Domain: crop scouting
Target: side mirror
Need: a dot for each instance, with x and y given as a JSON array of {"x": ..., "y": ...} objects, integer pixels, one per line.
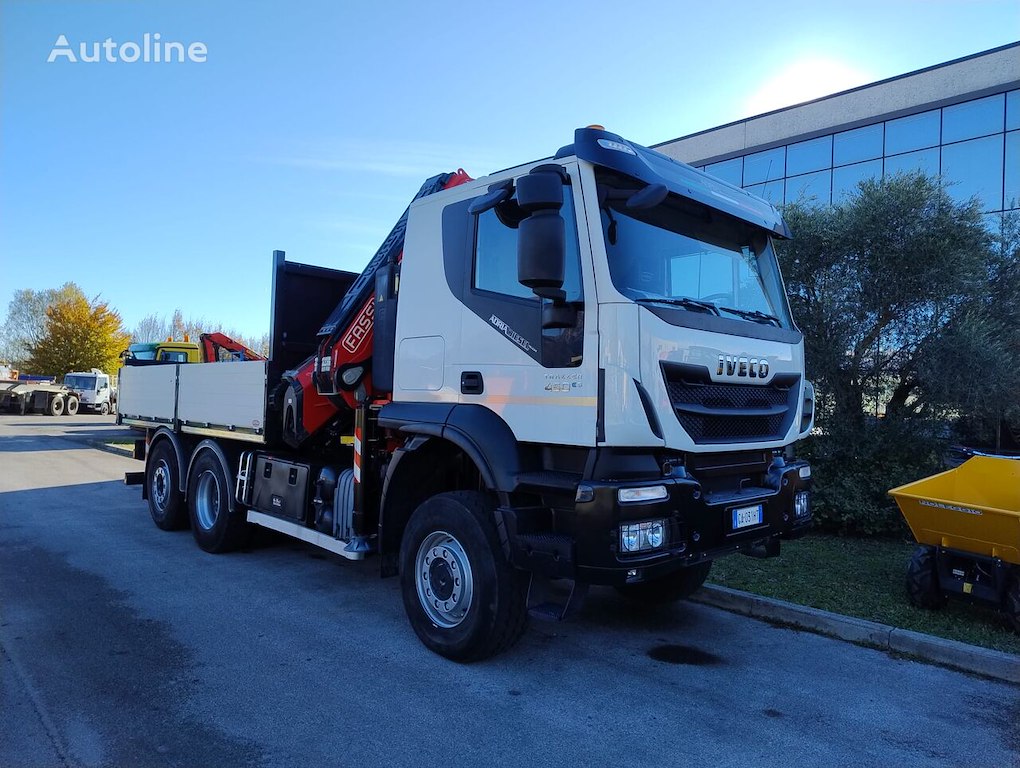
[
  {"x": 541, "y": 243},
  {"x": 649, "y": 197}
]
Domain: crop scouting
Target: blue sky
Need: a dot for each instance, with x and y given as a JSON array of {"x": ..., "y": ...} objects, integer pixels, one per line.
[{"x": 311, "y": 124}]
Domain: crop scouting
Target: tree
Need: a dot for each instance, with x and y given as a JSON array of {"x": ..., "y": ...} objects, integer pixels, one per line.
[
  {"x": 157, "y": 327},
  {"x": 26, "y": 320},
  {"x": 151, "y": 328},
  {"x": 891, "y": 289},
  {"x": 79, "y": 335}
]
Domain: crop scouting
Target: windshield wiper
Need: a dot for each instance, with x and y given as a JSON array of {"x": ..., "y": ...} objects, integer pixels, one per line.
[
  {"x": 682, "y": 301},
  {"x": 754, "y": 314}
]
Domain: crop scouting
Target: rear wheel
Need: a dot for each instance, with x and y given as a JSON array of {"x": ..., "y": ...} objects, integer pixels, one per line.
[
  {"x": 678, "y": 585},
  {"x": 71, "y": 406},
  {"x": 215, "y": 527},
  {"x": 923, "y": 579},
  {"x": 162, "y": 483},
  {"x": 464, "y": 599},
  {"x": 56, "y": 406}
]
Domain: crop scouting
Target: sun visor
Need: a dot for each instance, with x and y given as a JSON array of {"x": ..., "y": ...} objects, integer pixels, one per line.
[{"x": 612, "y": 151}]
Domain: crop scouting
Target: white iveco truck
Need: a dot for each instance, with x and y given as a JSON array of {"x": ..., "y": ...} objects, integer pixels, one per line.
[{"x": 582, "y": 368}]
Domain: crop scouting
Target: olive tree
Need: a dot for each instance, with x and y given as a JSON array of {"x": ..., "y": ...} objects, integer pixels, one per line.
[{"x": 893, "y": 289}]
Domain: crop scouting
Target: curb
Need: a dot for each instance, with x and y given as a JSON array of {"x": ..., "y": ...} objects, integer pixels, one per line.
[
  {"x": 937, "y": 650},
  {"x": 101, "y": 446}
]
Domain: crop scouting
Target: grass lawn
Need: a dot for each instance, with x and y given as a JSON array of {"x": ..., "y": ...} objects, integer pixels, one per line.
[{"x": 862, "y": 578}]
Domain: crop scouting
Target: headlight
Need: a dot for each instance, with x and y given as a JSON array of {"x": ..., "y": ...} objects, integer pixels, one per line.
[
  {"x": 636, "y": 537},
  {"x": 802, "y": 505},
  {"x": 644, "y": 494}
]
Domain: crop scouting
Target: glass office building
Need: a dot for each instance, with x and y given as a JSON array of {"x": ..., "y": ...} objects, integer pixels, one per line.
[{"x": 960, "y": 119}]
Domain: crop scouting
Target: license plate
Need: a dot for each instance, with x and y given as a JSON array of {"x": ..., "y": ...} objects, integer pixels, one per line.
[{"x": 744, "y": 517}]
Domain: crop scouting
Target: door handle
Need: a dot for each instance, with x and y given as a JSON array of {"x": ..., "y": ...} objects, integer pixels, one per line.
[{"x": 471, "y": 383}]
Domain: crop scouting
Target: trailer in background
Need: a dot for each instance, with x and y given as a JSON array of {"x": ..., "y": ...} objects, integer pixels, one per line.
[{"x": 47, "y": 397}]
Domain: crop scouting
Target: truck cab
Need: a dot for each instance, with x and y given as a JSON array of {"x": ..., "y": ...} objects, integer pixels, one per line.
[
  {"x": 94, "y": 390},
  {"x": 164, "y": 351},
  {"x": 618, "y": 322}
]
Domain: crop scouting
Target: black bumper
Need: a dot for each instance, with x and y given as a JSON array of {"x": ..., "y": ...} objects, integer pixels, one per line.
[{"x": 700, "y": 524}]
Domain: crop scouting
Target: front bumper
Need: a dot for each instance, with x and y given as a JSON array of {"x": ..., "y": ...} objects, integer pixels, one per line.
[{"x": 700, "y": 525}]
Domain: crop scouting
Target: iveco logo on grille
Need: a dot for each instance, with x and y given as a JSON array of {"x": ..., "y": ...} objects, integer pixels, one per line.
[{"x": 742, "y": 367}]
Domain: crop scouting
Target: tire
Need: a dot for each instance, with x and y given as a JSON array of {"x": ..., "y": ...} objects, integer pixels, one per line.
[
  {"x": 104, "y": 409},
  {"x": 1011, "y": 603},
  {"x": 71, "y": 406},
  {"x": 56, "y": 406},
  {"x": 451, "y": 549},
  {"x": 671, "y": 588},
  {"x": 214, "y": 527},
  {"x": 163, "y": 488},
  {"x": 923, "y": 579}
]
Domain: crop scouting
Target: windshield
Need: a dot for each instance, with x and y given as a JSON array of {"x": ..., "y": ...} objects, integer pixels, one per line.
[
  {"x": 142, "y": 351},
  {"x": 685, "y": 254},
  {"x": 80, "y": 382}
]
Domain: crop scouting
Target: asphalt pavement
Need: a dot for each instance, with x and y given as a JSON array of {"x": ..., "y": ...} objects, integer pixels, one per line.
[{"x": 124, "y": 645}]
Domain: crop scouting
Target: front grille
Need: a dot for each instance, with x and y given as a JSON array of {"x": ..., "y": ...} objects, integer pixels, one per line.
[{"x": 713, "y": 412}]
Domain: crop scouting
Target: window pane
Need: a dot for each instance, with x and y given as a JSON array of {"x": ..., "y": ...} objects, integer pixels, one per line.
[
  {"x": 975, "y": 167},
  {"x": 496, "y": 256},
  {"x": 805, "y": 156},
  {"x": 772, "y": 191},
  {"x": 913, "y": 132},
  {"x": 1012, "y": 110},
  {"x": 765, "y": 166},
  {"x": 927, "y": 160},
  {"x": 857, "y": 145},
  {"x": 1012, "y": 170},
  {"x": 846, "y": 179},
  {"x": 495, "y": 267},
  {"x": 972, "y": 118},
  {"x": 727, "y": 170},
  {"x": 811, "y": 188}
]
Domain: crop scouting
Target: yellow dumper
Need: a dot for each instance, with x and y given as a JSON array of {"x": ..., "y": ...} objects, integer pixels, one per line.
[{"x": 967, "y": 525}]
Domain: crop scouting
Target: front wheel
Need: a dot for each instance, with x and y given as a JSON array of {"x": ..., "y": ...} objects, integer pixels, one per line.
[
  {"x": 215, "y": 527},
  {"x": 71, "y": 406},
  {"x": 464, "y": 599},
  {"x": 104, "y": 409},
  {"x": 923, "y": 579},
  {"x": 671, "y": 588}
]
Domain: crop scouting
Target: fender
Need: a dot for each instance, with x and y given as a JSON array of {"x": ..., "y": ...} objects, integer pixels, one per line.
[
  {"x": 483, "y": 436},
  {"x": 212, "y": 445}
]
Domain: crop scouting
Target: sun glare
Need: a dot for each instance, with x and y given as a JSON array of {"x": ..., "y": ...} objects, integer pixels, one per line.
[{"x": 802, "y": 81}]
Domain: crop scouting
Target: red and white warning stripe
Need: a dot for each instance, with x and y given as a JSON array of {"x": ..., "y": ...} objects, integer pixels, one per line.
[{"x": 357, "y": 454}]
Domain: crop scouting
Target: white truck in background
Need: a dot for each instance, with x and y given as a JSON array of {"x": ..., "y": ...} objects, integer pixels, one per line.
[
  {"x": 582, "y": 369},
  {"x": 94, "y": 389}
]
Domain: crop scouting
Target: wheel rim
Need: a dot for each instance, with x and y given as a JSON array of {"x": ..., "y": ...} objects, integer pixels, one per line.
[
  {"x": 160, "y": 486},
  {"x": 443, "y": 578},
  {"x": 207, "y": 500}
]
